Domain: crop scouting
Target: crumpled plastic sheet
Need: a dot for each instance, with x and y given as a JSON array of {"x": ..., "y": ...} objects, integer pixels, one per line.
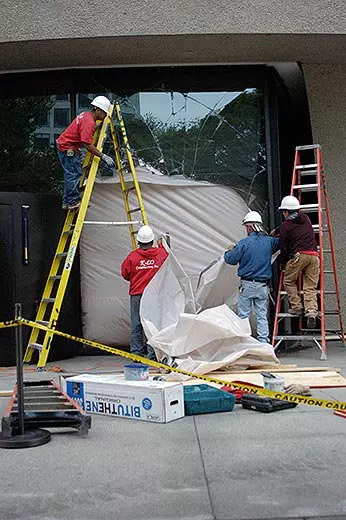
[{"x": 200, "y": 331}]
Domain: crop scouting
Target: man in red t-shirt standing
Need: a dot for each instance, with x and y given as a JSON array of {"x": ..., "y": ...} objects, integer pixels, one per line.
[
  {"x": 139, "y": 267},
  {"x": 80, "y": 133}
]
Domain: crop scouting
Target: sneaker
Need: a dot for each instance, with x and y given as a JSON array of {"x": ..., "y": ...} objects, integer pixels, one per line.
[
  {"x": 311, "y": 322},
  {"x": 74, "y": 207},
  {"x": 293, "y": 312},
  {"x": 64, "y": 207}
]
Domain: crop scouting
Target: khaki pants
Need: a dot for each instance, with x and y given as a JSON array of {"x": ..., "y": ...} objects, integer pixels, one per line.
[{"x": 309, "y": 266}]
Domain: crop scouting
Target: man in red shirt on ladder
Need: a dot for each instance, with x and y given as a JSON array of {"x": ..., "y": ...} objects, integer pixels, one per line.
[
  {"x": 80, "y": 133},
  {"x": 138, "y": 268},
  {"x": 299, "y": 254}
]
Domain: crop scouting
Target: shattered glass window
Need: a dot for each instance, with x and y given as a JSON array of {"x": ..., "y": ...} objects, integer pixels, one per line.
[{"x": 213, "y": 136}]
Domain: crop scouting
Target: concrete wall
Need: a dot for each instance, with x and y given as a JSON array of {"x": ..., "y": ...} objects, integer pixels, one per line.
[
  {"x": 327, "y": 100},
  {"x": 49, "y": 34}
]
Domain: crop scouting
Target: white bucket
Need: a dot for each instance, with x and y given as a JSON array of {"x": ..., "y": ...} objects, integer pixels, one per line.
[{"x": 276, "y": 384}]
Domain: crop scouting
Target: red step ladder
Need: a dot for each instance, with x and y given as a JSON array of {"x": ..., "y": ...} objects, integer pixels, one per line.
[{"x": 308, "y": 185}]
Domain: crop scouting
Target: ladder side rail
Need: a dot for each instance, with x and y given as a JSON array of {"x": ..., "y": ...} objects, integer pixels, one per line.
[
  {"x": 321, "y": 255},
  {"x": 124, "y": 189},
  {"x": 331, "y": 241},
  {"x": 294, "y": 176},
  {"x": 277, "y": 309},
  {"x": 73, "y": 246},
  {"x": 131, "y": 163}
]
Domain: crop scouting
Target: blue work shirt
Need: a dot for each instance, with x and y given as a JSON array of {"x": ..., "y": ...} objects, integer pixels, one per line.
[{"x": 253, "y": 254}]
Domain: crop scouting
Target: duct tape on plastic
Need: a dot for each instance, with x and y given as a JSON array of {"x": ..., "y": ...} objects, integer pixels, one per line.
[{"x": 299, "y": 399}]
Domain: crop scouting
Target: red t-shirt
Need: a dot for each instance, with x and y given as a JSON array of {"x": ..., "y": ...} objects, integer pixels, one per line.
[
  {"x": 80, "y": 131},
  {"x": 140, "y": 266}
]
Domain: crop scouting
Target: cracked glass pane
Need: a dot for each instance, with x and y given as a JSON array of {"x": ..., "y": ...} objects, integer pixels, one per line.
[{"x": 212, "y": 136}]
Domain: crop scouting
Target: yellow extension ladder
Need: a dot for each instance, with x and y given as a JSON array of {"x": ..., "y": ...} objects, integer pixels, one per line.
[{"x": 55, "y": 288}]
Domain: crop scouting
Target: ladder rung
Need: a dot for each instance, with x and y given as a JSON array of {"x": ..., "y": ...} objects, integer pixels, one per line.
[
  {"x": 316, "y": 228},
  {"x": 43, "y": 322},
  {"x": 306, "y": 187},
  {"x": 309, "y": 207},
  {"x": 134, "y": 210},
  {"x": 327, "y": 250},
  {"x": 308, "y": 147},
  {"x": 328, "y": 271},
  {"x": 70, "y": 232},
  {"x": 56, "y": 277},
  {"x": 36, "y": 346},
  {"x": 306, "y": 173},
  {"x": 306, "y": 166},
  {"x": 62, "y": 255},
  {"x": 48, "y": 300}
]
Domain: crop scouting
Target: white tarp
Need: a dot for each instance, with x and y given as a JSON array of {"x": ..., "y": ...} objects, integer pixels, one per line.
[
  {"x": 201, "y": 342},
  {"x": 202, "y": 219}
]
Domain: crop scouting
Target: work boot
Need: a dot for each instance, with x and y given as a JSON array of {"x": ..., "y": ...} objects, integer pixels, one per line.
[
  {"x": 74, "y": 207},
  {"x": 310, "y": 321},
  {"x": 297, "y": 313}
]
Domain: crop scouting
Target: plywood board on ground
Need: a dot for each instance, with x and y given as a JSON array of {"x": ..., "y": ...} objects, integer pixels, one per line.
[
  {"x": 280, "y": 368},
  {"x": 325, "y": 379}
]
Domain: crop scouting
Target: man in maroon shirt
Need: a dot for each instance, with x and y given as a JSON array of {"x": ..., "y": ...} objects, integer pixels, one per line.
[
  {"x": 299, "y": 254},
  {"x": 78, "y": 134},
  {"x": 139, "y": 267}
]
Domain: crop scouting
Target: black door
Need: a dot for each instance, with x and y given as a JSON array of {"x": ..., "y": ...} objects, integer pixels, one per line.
[{"x": 7, "y": 270}]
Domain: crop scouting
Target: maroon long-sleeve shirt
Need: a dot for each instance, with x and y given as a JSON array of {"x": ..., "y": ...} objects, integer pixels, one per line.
[{"x": 296, "y": 235}]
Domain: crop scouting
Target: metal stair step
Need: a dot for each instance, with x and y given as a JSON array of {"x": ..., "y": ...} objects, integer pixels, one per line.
[
  {"x": 36, "y": 346},
  {"x": 310, "y": 337}
]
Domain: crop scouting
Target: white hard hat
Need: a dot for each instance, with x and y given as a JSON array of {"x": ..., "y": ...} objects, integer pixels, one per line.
[
  {"x": 253, "y": 217},
  {"x": 101, "y": 102},
  {"x": 289, "y": 203},
  {"x": 145, "y": 235}
]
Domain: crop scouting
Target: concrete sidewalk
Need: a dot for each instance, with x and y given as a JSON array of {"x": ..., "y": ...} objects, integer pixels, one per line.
[{"x": 237, "y": 465}]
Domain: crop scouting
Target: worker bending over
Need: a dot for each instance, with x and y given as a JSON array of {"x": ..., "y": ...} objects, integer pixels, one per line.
[
  {"x": 253, "y": 254},
  {"x": 299, "y": 254},
  {"x": 78, "y": 134},
  {"x": 139, "y": 267}
]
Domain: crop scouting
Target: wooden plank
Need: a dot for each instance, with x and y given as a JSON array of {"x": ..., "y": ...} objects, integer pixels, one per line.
[
  {"x": 6, "y": 393},
  {"x": 279, "y": 368},
  {"x": 325, "y": 379}
]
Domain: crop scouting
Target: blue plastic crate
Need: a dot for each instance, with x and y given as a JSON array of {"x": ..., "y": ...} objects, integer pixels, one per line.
[{"x": 207, "y": 399}]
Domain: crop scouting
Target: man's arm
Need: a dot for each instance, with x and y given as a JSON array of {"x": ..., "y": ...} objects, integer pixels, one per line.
[
  {"x": 126, "y": 269},
  {"x": 233, "y": 256},
  {"x": 92, "y": 149},
  {"x": 284, "y": 242}
]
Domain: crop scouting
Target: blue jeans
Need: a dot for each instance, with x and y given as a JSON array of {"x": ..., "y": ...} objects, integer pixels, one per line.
[
  {"x": 138, "y": 343},
  {"x": 72, "y": 167},
  {"x": 255, "y": 295}
]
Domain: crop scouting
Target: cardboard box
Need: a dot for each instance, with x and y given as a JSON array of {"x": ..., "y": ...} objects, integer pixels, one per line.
[{"x": 155, "y": 401}]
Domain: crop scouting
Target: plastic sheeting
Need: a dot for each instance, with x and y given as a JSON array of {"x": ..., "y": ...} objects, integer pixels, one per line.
[
  {"x": 200, "y": 342},
  {"x": 202, "y": 219}
]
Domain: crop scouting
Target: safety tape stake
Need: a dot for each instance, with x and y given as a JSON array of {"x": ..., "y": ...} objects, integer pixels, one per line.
[{"x": 299, "y": 399}]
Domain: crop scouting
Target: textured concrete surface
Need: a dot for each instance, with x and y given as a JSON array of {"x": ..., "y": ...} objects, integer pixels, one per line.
[
  {"x": 327, "y": 100},
  {"x": 38, "y": 35},
  {"x": 34, "y": 19},
  {"x": 238, "y": 465}
]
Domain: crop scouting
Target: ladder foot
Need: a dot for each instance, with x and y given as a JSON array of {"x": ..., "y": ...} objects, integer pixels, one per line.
[
  {"x": 40, "y": 369},
  {"x": 323, "y": 356}
]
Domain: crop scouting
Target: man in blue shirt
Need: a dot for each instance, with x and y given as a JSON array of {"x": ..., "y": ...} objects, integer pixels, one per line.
[{"x": 253, "y": 254}]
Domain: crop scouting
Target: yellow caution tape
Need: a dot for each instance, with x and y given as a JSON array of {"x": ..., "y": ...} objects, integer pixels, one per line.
[
  {"x": 299, "y": 399},
  {"x": 9, "y": 323}
]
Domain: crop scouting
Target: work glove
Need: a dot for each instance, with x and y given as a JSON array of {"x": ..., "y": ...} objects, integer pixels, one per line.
[
  {"x": 108, "y": 160},
  {"x": 297, "y": 388}
]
